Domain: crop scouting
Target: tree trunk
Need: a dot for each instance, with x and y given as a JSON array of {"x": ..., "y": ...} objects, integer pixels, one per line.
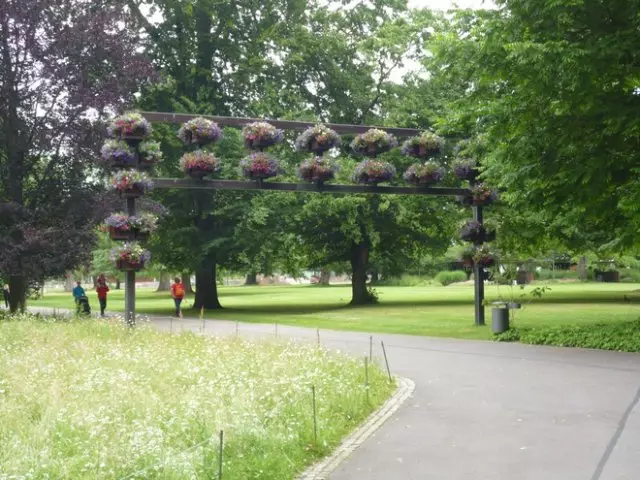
[
  {"x": 17, "y": 293},
  {"x": 206, "y": 289},
  {"x": 325, "y": 276},
  {"x": 117, "y": 283},
  {"x": 252, "y": 279},
  {"x": 164, "y": 285},
  {"x": 186, "y": 282},
  {"x": 359, "y": 260},
  {"x": 68, "y": 283}
]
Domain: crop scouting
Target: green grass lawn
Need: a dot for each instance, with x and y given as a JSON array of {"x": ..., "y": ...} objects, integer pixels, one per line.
[
  {"x": 435, "y": 311},
  {"x": 96, "y": 400}
]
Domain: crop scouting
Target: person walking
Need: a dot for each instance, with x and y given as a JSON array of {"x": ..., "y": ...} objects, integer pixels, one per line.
[
  {"x": 177, "y": 292},
  {"x": 78, "y": 293},
  {"x": 5, "y": 294},
  {"x": 102, "y": 289}
]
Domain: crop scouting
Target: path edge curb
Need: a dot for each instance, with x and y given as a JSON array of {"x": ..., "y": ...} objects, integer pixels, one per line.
[{"x": 322, "y": 469}]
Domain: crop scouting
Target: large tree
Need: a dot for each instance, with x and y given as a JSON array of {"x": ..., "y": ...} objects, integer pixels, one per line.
[
  {"x": 552, "y": 89},
  {"x": 61, "y": 64}
]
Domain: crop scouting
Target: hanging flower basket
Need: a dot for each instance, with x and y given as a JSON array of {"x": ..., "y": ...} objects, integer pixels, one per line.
[
  {"x": 484, "y": 257},
  {"x": 150, "y": 153},
  {"x": 480, "y": 195},
  {"x": 136, "y": 227},
  {"x": 318, "y": 169},
  {"x": 130, "y": 127},
  {"x": 118, "y": 154},
  {"x": 259, "y": 165},
  {"x": 423, "y": 146},
  {"x": 317, "y": 140},
  {"x": 373, "y": 142},
  {"x": 130, "y": 257},
  {"x": 260, "y": 135},
  {"x": 465, "y": 169},
  {"x": 199, "y": 164},
  {"x": 428, "y": 173},
  {"x": 467, "y": 257},
  {"x": 131, "y": 183},
  {"x": 199, "y": 131},
  {"x": 372, "y": 172},
  {"x": 473, "y": 232}
]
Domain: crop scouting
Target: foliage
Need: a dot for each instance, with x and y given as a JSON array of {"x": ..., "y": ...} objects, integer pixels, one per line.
[
  {"x": 259, "y": 135},
  {"x": 199, "y": 131},
  {"x": 552, "y": 89},
  {"x": 199, "y": 163},
  {"x": 630, "y": 275},
  {"x": 317, "y": 139},
  {"x": 373, "y": 172},
  {"x": 63, "y": 64},
  {"x": 426, "y": 173},
  {"x": 154, "y": 403},
  {"x": 622, "y": 337},
  {"x": 447, "y": 277},
  {"x": 373, "y": 142},
  {"x": 131, "y": 181},
  {"x": 318, "y": 169},
  {"x": 425, "y": 145},
  {"x": 259, "y": 165}
]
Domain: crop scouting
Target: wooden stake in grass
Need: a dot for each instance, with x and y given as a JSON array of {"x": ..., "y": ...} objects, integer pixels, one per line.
[
  {"x": 366, "y": 377},
  {"x": 220, "y": 455},
  {"x": 318, "y": 335},
  {"x": 386, "y": 361},
  {"x": 236, "y": 328},
  {"x": 370, "y": 347},
  {"x": 171, "y": 324},
  {"x": 315, "y": 418},
  {"x": 202, "y": 318}
]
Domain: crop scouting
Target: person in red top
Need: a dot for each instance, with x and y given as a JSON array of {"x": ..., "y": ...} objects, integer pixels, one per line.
[
  {"x": 102, "y": 288},
  {"x": 177, "y": 292}
]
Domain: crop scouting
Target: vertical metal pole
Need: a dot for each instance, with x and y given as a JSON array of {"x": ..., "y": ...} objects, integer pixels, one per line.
[
  {"x": 478, "y": 278},
  {"x": 220, "y": 454},
  {"x": 130, "y": 280},
  {"x": 386, "y": 361},
  {"x": 315, "y": 419}
]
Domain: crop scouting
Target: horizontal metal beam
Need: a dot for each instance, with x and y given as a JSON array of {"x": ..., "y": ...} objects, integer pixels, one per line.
[
  {"x": 168, "y": 117},
  {"x": 301, "y": 187}
]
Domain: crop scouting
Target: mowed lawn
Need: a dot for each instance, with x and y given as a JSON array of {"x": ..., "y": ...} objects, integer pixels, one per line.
[{"x": 434, "y": 310}]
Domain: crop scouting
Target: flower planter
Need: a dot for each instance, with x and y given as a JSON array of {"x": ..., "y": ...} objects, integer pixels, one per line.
[
  {"x": 116, "y": 234},
  {"x": 373, "y": 142},
  {"x": 607, "y": 276},
  {"x": 425, "y": 145},
  {"x": 125, "y": 266},
  {"x": 198, "y": 174}
]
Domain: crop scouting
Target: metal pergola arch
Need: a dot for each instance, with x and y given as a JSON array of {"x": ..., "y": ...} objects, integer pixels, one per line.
[{"x": 178, "y": 118}]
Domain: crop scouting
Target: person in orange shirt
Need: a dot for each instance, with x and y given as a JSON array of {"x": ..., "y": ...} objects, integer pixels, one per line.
[
  {"x": 102, "y": 289},
  {"x": 177, "y": 292}
]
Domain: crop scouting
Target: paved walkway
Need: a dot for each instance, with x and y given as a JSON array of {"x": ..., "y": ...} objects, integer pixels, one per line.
[{"x": 486, "y": 411}]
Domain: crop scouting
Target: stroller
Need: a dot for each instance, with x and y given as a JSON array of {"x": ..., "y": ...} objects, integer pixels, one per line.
[{"x": 83, "y": 306}]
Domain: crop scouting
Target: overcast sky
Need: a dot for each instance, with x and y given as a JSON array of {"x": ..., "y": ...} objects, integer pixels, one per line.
[{"x": 449, "y": 4}]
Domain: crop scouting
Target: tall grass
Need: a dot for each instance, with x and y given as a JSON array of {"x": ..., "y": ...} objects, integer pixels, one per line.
[{"x": 96, "y": 400}]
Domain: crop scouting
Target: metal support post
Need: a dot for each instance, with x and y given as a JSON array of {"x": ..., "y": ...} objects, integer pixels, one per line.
[
  {"x": 130, "y": 281},
  {"x": 478, "y": 278}
]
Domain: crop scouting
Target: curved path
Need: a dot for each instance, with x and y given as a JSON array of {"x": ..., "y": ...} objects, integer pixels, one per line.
[{"x": 485, "y": 411}]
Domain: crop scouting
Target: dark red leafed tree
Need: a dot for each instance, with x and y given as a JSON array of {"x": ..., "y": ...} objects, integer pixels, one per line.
[{"x": 64, "y": 64}]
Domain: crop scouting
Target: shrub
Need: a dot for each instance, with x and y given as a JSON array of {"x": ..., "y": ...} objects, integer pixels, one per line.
[
  {"x": 546, "y": 274},
  {"x": 407, "y": 281},
  {"x": 630, "y": 275},
  {"x": 621, "y": 337},
  {"x": 449, "y": 277}
]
